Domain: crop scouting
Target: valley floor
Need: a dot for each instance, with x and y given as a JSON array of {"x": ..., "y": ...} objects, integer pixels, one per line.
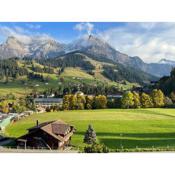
[{"x": 119, "y": 129}]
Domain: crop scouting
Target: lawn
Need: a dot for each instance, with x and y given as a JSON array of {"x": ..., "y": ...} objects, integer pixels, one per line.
[
  {"x": 116, "y": 128},
  {"x": 76, "y": 72}
]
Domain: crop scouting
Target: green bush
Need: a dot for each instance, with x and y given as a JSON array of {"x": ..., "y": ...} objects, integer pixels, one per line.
[{"x": 96, "y": 148}]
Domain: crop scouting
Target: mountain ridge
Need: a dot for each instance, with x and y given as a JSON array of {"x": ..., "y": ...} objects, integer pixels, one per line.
[
  {"x": 96, "y": 47},
  {"x": 36, "y": 47}
]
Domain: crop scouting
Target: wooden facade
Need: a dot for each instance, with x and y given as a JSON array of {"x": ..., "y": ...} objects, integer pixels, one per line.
[{"x": 50, "y": 135}]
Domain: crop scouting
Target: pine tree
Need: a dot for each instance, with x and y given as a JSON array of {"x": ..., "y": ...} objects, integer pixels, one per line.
[{"x": 90, "y": 136}]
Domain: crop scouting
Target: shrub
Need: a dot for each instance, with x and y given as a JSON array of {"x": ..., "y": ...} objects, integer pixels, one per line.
[
  {"x": 4, "y": 107},
  {"x": 19, "y": 108},
  {"x": 48, "y": 109},
  {"x": 96, "y": 148}
]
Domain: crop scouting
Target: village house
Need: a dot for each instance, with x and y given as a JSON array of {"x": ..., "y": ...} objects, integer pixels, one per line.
[
  {"x": 48, "y": 135},
  {"x": 114, "y": 96},
  {"x": 47, "y": 102}
]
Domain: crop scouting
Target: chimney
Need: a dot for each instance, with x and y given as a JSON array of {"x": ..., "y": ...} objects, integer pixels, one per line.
[{"x": 37, "y": 123}]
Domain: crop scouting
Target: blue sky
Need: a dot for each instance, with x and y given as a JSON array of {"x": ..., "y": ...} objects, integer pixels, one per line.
[
  {"x": 151, "y": 41},
  {"x": 62, "y": 31}
]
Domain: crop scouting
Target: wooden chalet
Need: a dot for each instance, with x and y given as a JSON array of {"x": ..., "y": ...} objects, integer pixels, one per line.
[{"x": 48, "y": 135}]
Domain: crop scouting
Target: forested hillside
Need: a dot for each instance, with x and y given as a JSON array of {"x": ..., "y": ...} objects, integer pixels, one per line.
[
  {"x": 119, "y": 73},
  {"x": 70, "y": 71},
  {"x": 69, "y": 60},
  {"x": 167, "y": 83},
  {"x": 10, "y": 68}
]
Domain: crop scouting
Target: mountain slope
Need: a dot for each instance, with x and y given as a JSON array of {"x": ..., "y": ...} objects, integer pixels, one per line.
[
  {"x": 79, "y": 59},
  {"x": 22, "y": 76},
  {"x": 35, "y": 48},
  {"x": 101, "y": 50},
  {"x": 167, "y": 83},
  {"x": 92, "y": 46},
  {"x": 98, "y": 48},
  {"x": 45, "y": 49},
  {"x": 12, "y": 48},
  {"x": 156, "y": 69}
]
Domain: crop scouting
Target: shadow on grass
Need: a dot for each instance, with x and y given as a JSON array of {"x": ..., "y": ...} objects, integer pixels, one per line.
[
  {"x": 152, "y": 112},
  {"x": 113, "y": 143},
  {"x": 138, "y": 135},
  {"x": 133, "y": 140}
]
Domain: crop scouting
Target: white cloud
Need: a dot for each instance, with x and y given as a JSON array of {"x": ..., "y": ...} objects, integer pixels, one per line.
[
  {"x": 150, "y": 41},
  {"x": 17, "y": 32},
  {"x": 87, "y": 27},
  {"x": 25, "y": 36}
]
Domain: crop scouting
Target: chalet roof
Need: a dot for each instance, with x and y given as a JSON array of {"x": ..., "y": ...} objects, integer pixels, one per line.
[
  {"x": 40, "y": 125},
  {"x": 58, "y": 129}
]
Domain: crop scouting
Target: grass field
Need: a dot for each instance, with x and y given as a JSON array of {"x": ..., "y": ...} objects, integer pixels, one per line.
[
  {"x": 76, "y": 72},
  {"x": 116, "y": 128}
]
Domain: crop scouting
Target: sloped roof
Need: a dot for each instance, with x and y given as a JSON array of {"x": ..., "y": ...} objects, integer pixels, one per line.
[
  {"x": 40, "y": 125},
  {"x": 58, "y": 129}
]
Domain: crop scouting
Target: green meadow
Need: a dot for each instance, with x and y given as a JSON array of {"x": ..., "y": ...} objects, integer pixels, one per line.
[{"x": 116, "y": 128}]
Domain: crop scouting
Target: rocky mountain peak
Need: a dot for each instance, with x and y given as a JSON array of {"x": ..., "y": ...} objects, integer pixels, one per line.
[
  {"x": 36, "y": 47},
  {"x": 12, "y": 41}
]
